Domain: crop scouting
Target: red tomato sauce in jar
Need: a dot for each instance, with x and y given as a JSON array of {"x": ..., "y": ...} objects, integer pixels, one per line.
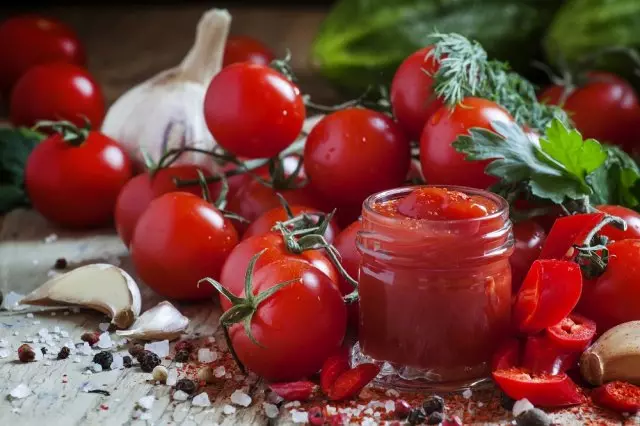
[{"x": 435, "y": 283}]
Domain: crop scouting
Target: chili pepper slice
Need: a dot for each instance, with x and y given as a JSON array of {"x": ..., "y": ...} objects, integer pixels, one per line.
[
  {"x": 566, "y": 232},
  {"x": 507, "y": 355},
  {"x": 542, "y": 355},
  {"x": 294, "y": 391},
  {"x": 618, "y": 396},
  {"x": 549, "y": 293},
  {"x": 351, "y": 382},
  {"x": 543, "y": 390},
  {"x": 574, "y": 332},
  {"x": 333, "y": 368}
]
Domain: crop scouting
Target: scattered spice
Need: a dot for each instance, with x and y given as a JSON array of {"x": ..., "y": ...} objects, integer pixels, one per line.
[
  {"x": 26, "y": 353},
  {"x": 103, "y": 359},
  {"x": 316, "y": 416},
  {"x": 184, "y": 345},
  {"x": 90, "y": 337},
  {"x": 181, "y": 356},
  {"x": 127, "y": 361},
  {"x": 148, "y": 361},
  {"x": 61, "y": 263},
  {"x": 136, "y": 350},
  {"x": 186, "y": 385}
]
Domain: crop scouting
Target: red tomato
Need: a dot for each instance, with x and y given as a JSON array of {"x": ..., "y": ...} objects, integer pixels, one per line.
[
  {"x": 412, "y": 97},
  {"x": 574, "y": 332},
  {"x": 178, "y": 240},
  {"x": 541, "y": 355},
  {"x": 542, "y": 302},
  {"x": 566, "y": 232},
  {"x": 268, "y": 219},
  {"x": 604, "y": 108},
  {"x": 56, "y": 91},
  {"x": 29, "y": 40},
  {"x": 507, "y": 355},
  {"x": 77, "y": 186},
  {"x": 618, "y": 396},
  {"x": 246, "y": 49},
  {"x": 350, "y": 257},
  {"x": 235, "y": 268},
  {"x": 253, "y": 111},
  {"x": 353, "y": 153},
  {"x": 631, "y": 217},
  {"x": 613, "y": 298},
  {"x": 441, "y": 163},
  {"x": 444, "y": 204},
  {"x": 529, "y": 237},
  {"x": 297, "y": 328},
  {"x": 544, "y": 390},
  {"x": 138, "y": 193}
]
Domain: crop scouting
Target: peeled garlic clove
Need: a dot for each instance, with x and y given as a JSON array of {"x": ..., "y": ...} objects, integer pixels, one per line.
[
  {"x": 614, "y": 356},
  {"x": 161, "y": 322},
  {"x": 100, "y": 286},
  {"x": 166, "y": 111}
]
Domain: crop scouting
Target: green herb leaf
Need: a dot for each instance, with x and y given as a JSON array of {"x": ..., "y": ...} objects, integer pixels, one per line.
[{"x": 617, "y": 181}]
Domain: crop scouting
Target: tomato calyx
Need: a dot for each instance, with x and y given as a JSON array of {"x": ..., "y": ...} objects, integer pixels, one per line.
[
  {"x": 220, "y": 202},
  {"x": 593, "y": 254},
  {"x": 71, "y": 134}
]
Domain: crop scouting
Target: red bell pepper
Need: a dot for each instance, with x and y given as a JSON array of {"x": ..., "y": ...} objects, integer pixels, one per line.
[
  {"x": 543, "y": 390},
  {"x": 618, "y": 396},
  {"x": 574, "y": 332},
  {"x": 541, "y": 355},
  {"x": 566, "y": 232},
  {"x": 507, "y": 355}
]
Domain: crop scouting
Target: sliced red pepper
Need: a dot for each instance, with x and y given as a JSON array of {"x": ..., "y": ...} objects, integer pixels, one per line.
[
  {"x": 294, "y": 391},
  {"x": 351, "y": 382},
  {"x": 549, "y": 293},
  {"x": 542, "y": 355},
  {"x": 507, "y": 355},
  {"x": 574, "y": 332},
  {"x": 333, "y": 368},
  {"x": 618, "y": 396},
  {"x": 566, "y": 232},
  {"x": 542, "y": 390}
]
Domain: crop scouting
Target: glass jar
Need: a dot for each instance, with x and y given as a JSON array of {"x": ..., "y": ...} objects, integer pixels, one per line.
[{"x": 435, "y": 295}]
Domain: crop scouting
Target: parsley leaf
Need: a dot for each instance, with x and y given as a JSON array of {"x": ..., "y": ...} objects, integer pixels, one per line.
[{"x": 617, "y": 181}]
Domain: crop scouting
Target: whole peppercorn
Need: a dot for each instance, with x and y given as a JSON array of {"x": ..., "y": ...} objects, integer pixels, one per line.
[
  {"x": 136, "y": 350},
  {"x": 64, "y": 353},
  {"x": 181, "y": 356},
  {"x": 506, "y": 402},
  {"x": 435, "y": 418},
  {"x": 26, "y": 353},
  {"x": 184, "y": 345},
  {"x": 533, "y": 417},
  {"x": 43, "y": 350},
  {"x": 90, "y": 337},
  {"x": 61, "y": 263},
  {"x": 127, "y": 361},
  {"x": 402, "y": 409},
  {"x": 433, "y": 404},
  {"x": 187, "y": 386},
  {"x": 316, "y": 417},
  {"x": 416, "y": 416},
  {"x": 148, "y": 361},
  {"x": 103, "y": 358}
]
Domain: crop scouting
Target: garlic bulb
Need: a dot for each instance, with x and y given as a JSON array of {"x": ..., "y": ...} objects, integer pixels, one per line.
[{"x": 166, "y": 112}]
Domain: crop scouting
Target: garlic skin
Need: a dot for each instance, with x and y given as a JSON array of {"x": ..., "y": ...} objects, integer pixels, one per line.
[
  {"x": 166, "y": 111},
  {"x": 161, "y": 322}
]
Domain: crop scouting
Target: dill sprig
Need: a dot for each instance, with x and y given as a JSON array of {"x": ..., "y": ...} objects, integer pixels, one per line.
[{"x": 465, "y": 70}]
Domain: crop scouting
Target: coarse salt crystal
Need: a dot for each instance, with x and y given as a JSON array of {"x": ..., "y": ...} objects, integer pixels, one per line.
[
  {"x": 117, "y": 362},
  {"x": 368, "y": 421},
  {"x": 4, "y": 353},
  {"x": 38, "y": 354},
  {"x": 219, "y": 371},
  {"x": 201, "y": 400},
  {"x": 299, "y": 416},
  {"x": 206, "y": 355},
  {"x": 480, "y": 404},
  {"x": 103, "y": 326},
  {"x": 11, "y": 300},
  {"x": 368, "y": 411},
  {"x": 160, "y": 348},
  {"x": 50, "y": 238},
  {"x": 172, "y": 377},
  {"x": 64, "y": 333},
  {"x": 104, "y": 341},
  {"x": 270, "y": 410},
  {"x": 146, "y": 402},
  {"x": 4, "y": 343},
  {"x": 240, "y": 398},
  {"x": 76, "y": 359},
  {"x": 20, "y": 391},
  {"x": 292, "y": 404},
  {"x": 15, "y": 333},
  {"x": 29, "y": 315},
  {"x": 228, "y": 409},
  {"x": 180, "y": 396},
  {"x": 467, "y": 393},
  {"x": 52, "y": 274},
  {"x": 390, "y": 406},
  {"x": 331, "y": 410},
  {"x": 521, "y": 405},
  {"x": 43, "y": 332},
  {"x": 96, "y": 367},
  {"x": 84, "y": 349},
  {"x": 392, "y": 393}
]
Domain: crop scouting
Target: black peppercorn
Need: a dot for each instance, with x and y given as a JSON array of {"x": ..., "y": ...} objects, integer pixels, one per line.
[
  {"x": 181, "y": 356},
  {"x": 148, "y": 361},
  {"x": 104, "y": 359},
  {"x": 61, "y": 263},
  {"x": 506, "y": 402},
  {"x": 187, "y": 386},
  {"x": 433, "y": 404},
  {"x": 43, "y": 350},
  {"x": 533, "y": 417},
  {"x": 64, "y": 353},
  {"x": 136, "y": 350},
  {"x": 416, "y": 416},
  {"x": 127, "y": 361},
  {"x": 435, "y": 418}
]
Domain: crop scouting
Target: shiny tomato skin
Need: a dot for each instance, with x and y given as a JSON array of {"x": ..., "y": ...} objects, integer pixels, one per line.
[
  {"x": 178, "y": 240},
  {"x": 432, "y": 203},
  {"x": 29, "y": 40},
  {"x": 353, "y": 153},
  {"x": 529, "y": 237},
  {"x": 350, "y": 258},
  {"x": 233, "y": 273},
  {"x": 253, "y": 111},
  {"x": 298, "y": 327},
  {"x": 613, "y": 297},
  {"x": 412, "y": 98},
  {"x": 630, "y": 216},
  {"x": 77, "y": 186},
  {"x": 441, "y": 163},
  {"x": 543, "y": 390},
  {"x": 246, "y": 49},
  {"x": 604, "y": 108},
  {"x": 268, "y": 219}
]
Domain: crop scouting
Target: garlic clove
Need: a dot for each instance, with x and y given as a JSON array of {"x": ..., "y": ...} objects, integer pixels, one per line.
[
  {"x": 614, "y": 356},
  {"x": 99, "y": 286},
  {"x": 161, "y": 322}
]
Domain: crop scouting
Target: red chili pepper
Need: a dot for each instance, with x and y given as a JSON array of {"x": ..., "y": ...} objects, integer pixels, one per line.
[
  {"x": 294, "y": 391},
  {"x": 542, "y": 355},
  {"x": 574, "y": 332},
  {"x": 618, "y": 396},
  {"x": 549, "y": 293},
  {"x": 566, "y": 232},
  {"x": 544, "y": 390},
  {"x": 332, "y": 368},
  {"x": 507, "y": 355},
  {"x": 351, "y": 382}
]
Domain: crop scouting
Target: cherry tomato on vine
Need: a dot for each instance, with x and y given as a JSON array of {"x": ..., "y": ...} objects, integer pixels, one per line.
[
  {"x": 57, "y": 91},
  {"x": 76, "y": 183},
  {"x": 631, "y": 217},
  {"x": 253, "y": 111},
  {"x": 529, "y": 237},
  {"x": 350, "y": 257},
  {"x": 353, "y": 153},
  {"x": 297, "y": 327},
  {"x": 604, "y": 108},
  {"x": 233, "y": 272},
  {"x": 612, "y": 298},
  {"x": 246, "y": 49},
  {"x": 544, "y": 390},
  {"x": 441, "y": 163},
  {"x": 412, "y": 98},
  {"x": 29, "y": 40}
]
